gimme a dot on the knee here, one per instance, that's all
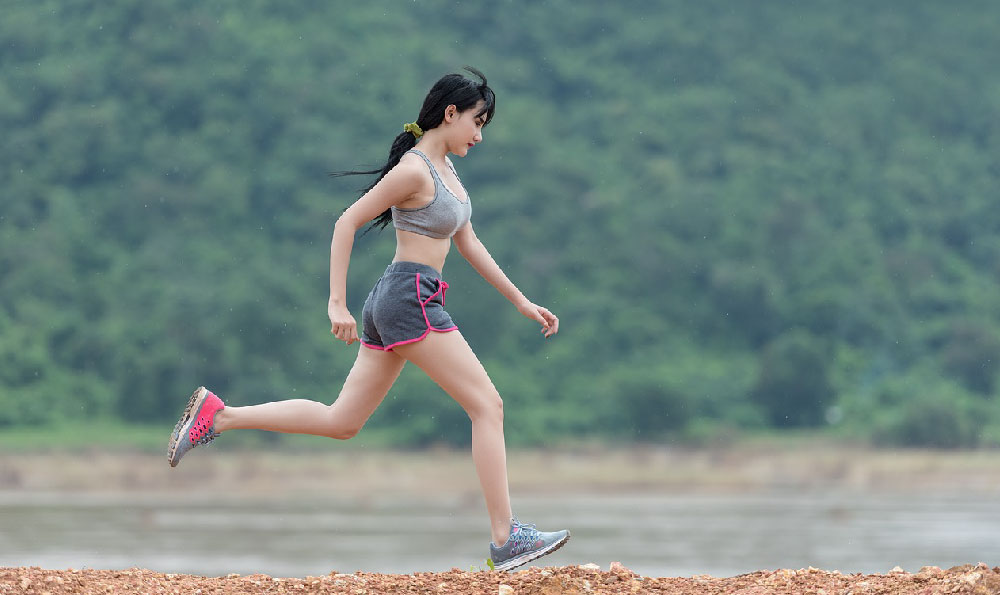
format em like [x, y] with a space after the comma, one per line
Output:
[338, 429]
[491, 409]
[343, 433]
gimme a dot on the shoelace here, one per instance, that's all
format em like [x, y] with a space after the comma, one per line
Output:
[518, 523]
[525, 537]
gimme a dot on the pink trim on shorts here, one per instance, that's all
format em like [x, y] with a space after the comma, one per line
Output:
[442, 286]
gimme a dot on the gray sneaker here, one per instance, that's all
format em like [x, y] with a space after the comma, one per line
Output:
[524, 545]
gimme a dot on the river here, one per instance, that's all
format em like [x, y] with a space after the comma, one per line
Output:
[655, 533]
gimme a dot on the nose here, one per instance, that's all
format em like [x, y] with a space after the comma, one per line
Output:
[479, 137]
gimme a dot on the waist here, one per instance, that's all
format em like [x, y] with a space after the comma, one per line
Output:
[412, 247]
[405, 266]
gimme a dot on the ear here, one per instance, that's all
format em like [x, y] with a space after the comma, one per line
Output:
[450, 113]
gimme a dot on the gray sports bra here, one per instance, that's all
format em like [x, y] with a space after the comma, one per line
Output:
[441, 217]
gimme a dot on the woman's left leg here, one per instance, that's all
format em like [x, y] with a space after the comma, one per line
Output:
[369, 380]
[450, 362]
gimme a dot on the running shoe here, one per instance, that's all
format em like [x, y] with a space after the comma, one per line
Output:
[196, 426]
[524, 545]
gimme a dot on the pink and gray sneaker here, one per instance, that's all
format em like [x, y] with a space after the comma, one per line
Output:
[196, 426]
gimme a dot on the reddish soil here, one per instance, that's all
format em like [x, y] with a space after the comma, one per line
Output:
[980, 579]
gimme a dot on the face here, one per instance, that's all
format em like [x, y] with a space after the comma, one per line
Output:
[465, 128]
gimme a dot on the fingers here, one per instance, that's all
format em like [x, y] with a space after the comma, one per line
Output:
[549, 321]
[345, 331]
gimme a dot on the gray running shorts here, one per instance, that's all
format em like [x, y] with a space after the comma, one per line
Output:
[405, 305]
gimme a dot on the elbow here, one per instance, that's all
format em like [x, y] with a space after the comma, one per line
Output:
[344, 230]
[347, 224]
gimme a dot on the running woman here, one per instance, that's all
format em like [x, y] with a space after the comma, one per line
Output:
[403, 319]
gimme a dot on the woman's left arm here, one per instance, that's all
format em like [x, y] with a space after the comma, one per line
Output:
[473, 250]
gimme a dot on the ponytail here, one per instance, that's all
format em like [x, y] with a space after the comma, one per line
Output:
[403, 143]
[451, 89]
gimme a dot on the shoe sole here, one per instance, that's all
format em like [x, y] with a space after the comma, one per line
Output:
[194, 403]
[528, 557]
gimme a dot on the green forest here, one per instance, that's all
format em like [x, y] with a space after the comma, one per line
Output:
[749, 217]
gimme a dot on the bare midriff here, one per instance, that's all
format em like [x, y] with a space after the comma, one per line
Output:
[413, 247]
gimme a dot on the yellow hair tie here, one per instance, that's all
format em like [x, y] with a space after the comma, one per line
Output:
[413, 129]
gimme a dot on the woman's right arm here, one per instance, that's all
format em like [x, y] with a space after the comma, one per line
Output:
[396, 187]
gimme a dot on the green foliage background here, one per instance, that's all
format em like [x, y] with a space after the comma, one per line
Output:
[747, 215]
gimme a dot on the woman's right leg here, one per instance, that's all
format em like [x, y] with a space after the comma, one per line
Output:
[451, 363]
[368, 382]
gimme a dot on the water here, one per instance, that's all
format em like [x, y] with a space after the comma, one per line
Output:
[655, 534]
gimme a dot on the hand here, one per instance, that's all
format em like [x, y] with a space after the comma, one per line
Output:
[548, 320]
[343, 324]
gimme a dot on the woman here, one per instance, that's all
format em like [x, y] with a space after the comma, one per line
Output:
[404, 318]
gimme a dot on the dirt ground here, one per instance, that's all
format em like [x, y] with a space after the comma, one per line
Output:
[979, 580]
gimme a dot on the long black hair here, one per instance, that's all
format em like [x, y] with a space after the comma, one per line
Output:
[451, 89]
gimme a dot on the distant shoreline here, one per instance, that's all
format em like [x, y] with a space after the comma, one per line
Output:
[759, 466]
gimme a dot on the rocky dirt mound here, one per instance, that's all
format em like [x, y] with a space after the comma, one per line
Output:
[979, 580]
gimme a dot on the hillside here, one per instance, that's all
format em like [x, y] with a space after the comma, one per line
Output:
[746, 216]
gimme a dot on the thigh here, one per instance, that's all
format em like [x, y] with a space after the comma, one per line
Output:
[370, 378]
[449, 361]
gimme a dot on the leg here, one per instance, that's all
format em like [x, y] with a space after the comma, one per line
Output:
[367, 384]
[450, 362]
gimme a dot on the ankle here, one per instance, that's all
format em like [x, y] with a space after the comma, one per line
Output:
[220, 421]
[500, 536]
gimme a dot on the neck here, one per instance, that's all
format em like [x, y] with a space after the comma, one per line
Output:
[432, 145]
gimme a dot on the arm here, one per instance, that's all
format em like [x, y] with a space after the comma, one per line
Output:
[473, 250]
[396, 187]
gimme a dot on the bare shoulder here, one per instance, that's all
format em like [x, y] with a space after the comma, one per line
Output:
[413, 172]
[411, 168]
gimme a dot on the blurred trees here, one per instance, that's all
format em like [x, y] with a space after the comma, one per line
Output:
[746, 216]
